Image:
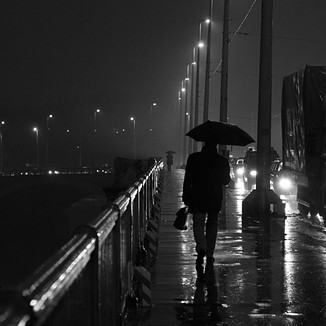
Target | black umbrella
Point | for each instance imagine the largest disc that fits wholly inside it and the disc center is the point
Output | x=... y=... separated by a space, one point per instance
x=223 y=133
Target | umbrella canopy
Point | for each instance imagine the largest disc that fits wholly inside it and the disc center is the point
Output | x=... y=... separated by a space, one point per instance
x=170 y=152
x=223 y=133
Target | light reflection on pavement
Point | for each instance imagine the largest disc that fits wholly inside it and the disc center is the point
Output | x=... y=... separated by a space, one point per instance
x=261 y=276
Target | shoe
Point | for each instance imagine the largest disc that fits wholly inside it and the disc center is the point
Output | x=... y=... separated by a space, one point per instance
x=200 y=257
x=210 y=260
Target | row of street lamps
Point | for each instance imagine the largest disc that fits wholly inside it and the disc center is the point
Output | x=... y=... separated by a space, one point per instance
x=48 y=128
x=188 y=95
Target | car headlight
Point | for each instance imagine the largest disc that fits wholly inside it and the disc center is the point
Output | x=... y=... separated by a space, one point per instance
x=253 y=173
x=240 y=171
x=285 y=183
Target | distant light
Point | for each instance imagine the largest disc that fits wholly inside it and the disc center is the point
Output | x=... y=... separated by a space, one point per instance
x=123 y=129
x=200 y=44
x=154 y=104
x=183 y=89
x=2 y=122
x=193 y=63
x=132 y=119
x=150 y=129
x=187 y=78
x=68 y=130
x=50 y=116
x=35 y=129
x=187 y=113
x=207 y=21
x=98 y=110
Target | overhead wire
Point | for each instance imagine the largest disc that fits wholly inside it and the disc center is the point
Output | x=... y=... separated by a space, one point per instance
x=235 y=33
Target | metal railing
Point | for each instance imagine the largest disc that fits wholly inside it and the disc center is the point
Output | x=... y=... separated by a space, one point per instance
x=88 y=280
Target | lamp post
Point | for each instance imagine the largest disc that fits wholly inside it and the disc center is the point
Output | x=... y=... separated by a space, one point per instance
x=80 y=148
x=192 y=84
x=1 y=161
x=95 y=114
x=94 y=137
x=35 y=129
x=153 y=106
x=50 y=116
x=182 y=136
x=199 y=45
x=134 y=135
x=208 y=59
x=185 y=118
x=151 y=120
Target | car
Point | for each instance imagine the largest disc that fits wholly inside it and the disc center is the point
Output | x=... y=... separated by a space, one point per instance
x=238 y=168
x=250 y=166
x=281 y=181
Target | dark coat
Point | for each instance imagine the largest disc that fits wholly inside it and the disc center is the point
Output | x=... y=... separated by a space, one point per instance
x=206 y=172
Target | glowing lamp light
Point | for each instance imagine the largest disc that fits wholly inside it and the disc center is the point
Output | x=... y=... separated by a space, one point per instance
x=253 y=173
x=285 y=183
x=240 y=171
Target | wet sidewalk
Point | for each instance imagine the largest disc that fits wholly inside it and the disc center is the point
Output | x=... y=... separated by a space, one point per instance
x=275 y=277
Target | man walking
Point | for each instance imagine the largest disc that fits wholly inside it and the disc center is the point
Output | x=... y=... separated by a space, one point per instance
x=206 y=173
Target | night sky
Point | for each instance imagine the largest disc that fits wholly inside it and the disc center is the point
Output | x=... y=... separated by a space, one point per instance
x=68 y=58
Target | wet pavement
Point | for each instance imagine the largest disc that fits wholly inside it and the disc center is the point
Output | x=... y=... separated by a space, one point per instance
x=262 y=275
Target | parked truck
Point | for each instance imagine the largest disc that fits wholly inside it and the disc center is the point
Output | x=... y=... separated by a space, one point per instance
x=304 y=137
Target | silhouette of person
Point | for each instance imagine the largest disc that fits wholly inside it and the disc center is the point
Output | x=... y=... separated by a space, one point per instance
x=169 y=161
x=206 y=173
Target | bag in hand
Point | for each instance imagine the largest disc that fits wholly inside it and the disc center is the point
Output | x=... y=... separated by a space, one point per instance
x=181 y=221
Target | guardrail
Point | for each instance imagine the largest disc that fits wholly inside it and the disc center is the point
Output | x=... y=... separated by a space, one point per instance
x=88 y=280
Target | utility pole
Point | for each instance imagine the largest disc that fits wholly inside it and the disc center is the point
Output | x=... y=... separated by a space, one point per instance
x=264 y=106
x=208 y=61
x=258 y=202
x=225 y=68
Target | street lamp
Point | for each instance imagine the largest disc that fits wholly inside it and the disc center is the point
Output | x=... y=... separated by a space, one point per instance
x=134 y=135
x=208 y=56
x=185 y=116
x=1 y=162
x=95 y=113
x=50 y=116
x=199 y=45
x=153 y=106
x=36 y=132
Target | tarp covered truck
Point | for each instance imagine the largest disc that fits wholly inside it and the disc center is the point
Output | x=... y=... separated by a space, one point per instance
x=304 y=136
